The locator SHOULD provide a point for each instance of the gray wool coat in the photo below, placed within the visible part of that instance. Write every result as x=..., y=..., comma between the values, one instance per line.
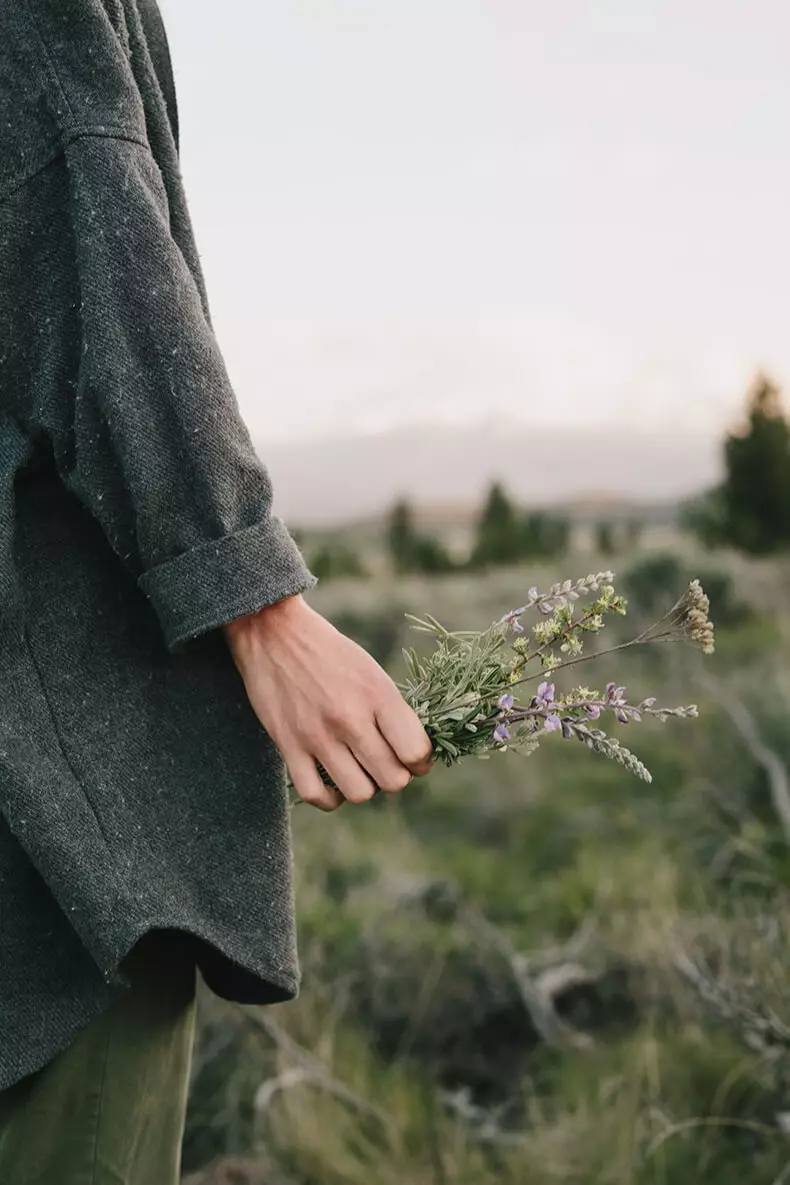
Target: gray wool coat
x=137, y=789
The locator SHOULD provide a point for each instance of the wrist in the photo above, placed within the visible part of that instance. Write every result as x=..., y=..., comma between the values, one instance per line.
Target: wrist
x=245, y=635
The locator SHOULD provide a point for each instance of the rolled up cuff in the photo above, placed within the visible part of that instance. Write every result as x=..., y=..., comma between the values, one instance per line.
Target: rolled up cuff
x=210, y=585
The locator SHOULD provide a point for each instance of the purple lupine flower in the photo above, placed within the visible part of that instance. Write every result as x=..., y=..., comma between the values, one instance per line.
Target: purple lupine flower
x=593, y=711
x=506, y=702
x=622, y=716
x=501, y=733
x=533, y=593
x=511, y=619
x=545, y=693
x=552, y=723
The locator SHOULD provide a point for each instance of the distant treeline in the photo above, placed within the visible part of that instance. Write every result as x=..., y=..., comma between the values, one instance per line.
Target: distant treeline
x=749, y=511
x=504, y=534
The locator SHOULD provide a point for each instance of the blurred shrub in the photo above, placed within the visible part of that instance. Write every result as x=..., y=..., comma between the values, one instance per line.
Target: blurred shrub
x=634, y=529
x=505, y=535
x=605, y=541
x=655, y=582
x=545, y=536
x=336, y=559
x=426, y=920
x=430, y=556
x=413, y=551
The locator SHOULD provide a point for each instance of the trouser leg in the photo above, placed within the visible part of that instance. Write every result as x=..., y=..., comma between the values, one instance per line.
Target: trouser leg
x=110, y=1109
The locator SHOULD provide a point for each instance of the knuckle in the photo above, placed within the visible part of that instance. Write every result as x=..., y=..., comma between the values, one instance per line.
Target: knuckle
x=395, y=781
x=358, y=794
x=321, y=800
x=425, y=755
x=342, y=719
x=311, y=797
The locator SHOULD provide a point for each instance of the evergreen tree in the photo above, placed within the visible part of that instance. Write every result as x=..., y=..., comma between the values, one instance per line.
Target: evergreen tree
x=412, y=551
x=544, y=536
x=605, y=539
x=401, y=537
x=499, y=531
x=431, y=557
x=750, y=510
x=634, y=530
x=756, y=489
x=336, y=559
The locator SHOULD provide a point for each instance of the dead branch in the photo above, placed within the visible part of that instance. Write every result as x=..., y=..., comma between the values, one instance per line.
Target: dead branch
x=748, y=730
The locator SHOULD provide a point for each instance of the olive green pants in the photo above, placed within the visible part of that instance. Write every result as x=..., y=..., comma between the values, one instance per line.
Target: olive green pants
x=110, y=1109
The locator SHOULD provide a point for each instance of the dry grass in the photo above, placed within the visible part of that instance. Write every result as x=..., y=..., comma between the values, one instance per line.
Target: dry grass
x=412, y=1058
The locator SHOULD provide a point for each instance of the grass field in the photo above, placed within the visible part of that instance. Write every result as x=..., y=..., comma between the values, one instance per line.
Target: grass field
x=538, y=970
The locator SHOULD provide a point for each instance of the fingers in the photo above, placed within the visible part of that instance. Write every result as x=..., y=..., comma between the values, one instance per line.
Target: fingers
x=385, y=752
x=421, y=769
x=346, y=772
x=402, y=728
x=377, y=758
x=310, y=786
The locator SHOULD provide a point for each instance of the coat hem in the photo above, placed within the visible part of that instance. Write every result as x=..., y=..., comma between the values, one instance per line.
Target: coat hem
x=274, y=984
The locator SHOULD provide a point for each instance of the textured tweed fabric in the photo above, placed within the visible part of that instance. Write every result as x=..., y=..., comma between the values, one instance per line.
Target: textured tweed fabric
x=137, y=789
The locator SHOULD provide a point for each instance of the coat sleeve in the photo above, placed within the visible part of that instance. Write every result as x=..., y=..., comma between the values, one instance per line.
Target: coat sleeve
x=157, y=450
x=142, y=420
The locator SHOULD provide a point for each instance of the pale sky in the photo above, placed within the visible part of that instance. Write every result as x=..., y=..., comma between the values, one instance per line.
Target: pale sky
x=573, y=210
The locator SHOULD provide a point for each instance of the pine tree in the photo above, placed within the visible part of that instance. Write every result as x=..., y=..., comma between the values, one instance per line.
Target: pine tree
x=605, y=538
x=750, y=510
x=544, y=536
x=499, y=531
x=634, y=529
x=401, y=537
x=755, y=494
x=412, y=551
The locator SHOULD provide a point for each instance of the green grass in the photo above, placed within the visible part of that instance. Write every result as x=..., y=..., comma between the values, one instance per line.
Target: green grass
x=426, y=1065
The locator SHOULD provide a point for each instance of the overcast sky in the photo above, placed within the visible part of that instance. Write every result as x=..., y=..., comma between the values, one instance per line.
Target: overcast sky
x=433, y=209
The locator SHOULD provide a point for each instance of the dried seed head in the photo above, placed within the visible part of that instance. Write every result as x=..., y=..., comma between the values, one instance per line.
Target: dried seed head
x=698, y=627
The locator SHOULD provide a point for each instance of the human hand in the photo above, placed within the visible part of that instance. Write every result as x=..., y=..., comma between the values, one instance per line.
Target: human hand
x=323, y=699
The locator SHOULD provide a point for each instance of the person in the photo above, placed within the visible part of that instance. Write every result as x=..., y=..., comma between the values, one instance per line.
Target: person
x=161, y=667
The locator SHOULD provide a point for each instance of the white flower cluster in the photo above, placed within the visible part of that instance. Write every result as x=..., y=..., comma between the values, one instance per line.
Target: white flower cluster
x=699, y=627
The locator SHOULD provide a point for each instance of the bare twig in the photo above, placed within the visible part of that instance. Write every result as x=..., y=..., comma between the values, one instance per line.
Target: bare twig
x=482, y=1123
x=308, y=1071
x=538, y=993
x=763, y=1032
x=783, y=1177
x=748, y=730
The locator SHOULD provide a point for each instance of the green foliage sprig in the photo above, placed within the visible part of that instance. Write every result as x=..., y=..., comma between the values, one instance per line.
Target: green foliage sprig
x=467, y=689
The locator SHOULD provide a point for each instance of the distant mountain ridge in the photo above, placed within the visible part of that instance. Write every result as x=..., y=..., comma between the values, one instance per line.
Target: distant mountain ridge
x=352, y=478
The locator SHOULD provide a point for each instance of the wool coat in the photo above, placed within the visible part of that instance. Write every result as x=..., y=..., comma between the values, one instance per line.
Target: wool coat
x=137, y=789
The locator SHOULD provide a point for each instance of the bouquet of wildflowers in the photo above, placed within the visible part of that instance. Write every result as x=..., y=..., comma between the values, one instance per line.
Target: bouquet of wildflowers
x=479, y=692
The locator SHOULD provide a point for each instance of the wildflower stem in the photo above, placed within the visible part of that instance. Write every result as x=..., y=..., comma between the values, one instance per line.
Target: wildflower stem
x=569, y=629
x=572, y=662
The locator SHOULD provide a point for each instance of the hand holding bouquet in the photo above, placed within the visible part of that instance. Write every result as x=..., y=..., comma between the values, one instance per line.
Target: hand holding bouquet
x=346, y=729
x=479, y=692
